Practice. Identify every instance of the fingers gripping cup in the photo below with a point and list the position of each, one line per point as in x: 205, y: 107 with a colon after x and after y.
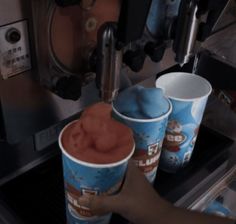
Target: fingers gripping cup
x: 148, y: 132
x: 94, y: 163
x: 188, y: 94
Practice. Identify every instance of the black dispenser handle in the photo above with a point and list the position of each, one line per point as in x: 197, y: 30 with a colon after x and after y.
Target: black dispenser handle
x: 132, y: 20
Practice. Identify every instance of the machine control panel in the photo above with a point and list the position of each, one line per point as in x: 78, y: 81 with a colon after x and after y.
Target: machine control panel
x: 14, y: 49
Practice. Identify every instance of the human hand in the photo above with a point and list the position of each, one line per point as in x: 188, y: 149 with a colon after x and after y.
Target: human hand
x: 137, y: 201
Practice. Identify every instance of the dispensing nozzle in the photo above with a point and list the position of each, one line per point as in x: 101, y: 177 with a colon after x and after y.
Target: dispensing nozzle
x: 186, y: 31
x: 109, y: 61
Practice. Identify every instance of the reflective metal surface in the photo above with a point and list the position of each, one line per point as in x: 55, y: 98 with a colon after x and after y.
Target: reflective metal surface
x: 222, y: 45
x: 186, y: 31
x: 220, y: 198
x: 28, y: 108
x: 109, y: 61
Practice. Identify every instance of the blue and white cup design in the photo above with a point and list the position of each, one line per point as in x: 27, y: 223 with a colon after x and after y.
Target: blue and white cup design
x: 188, y: 94
x: 81, y: 178
x: 148, y: 136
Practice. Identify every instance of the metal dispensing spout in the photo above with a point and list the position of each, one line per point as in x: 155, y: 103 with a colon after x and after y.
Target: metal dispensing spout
x: 109, y: 61
x: 112, y: 38
x: 195, y: 22
x: 186, y: 31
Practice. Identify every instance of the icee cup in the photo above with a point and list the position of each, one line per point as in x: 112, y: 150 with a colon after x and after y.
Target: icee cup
x: 188, y: 94
x: 84, y: 178
x: 148, y: 136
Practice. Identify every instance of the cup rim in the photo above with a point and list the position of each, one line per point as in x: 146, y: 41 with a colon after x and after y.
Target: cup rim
x: 189, y: 74
x: 88, y: 164
x: 145, y: 120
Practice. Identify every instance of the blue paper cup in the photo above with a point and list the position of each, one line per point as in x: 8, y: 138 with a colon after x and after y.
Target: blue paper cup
x: 148, y: 136
x: 84, y: 178
x: 188, y: 94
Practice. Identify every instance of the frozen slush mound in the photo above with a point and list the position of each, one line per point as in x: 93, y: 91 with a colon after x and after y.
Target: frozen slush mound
x: 142, y: 103
x: 97, y: 138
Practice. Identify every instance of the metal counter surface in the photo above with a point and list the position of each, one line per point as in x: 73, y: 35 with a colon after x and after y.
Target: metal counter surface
x: 220, y: 118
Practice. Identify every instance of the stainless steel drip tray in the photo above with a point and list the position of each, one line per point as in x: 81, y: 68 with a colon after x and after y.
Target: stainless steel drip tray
x: 220, y: 199
x: 38, y: 196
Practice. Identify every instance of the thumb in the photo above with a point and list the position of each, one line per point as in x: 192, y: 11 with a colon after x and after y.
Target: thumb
x: 100, y: 205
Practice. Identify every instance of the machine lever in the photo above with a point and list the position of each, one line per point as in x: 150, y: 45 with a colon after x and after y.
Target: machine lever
x: 132, y: 20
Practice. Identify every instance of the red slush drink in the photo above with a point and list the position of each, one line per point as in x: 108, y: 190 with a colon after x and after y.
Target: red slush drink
x: 95, y: 154
x: 97, y: 138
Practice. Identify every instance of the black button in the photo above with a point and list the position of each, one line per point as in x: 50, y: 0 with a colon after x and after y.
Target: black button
x: 13, y: 35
